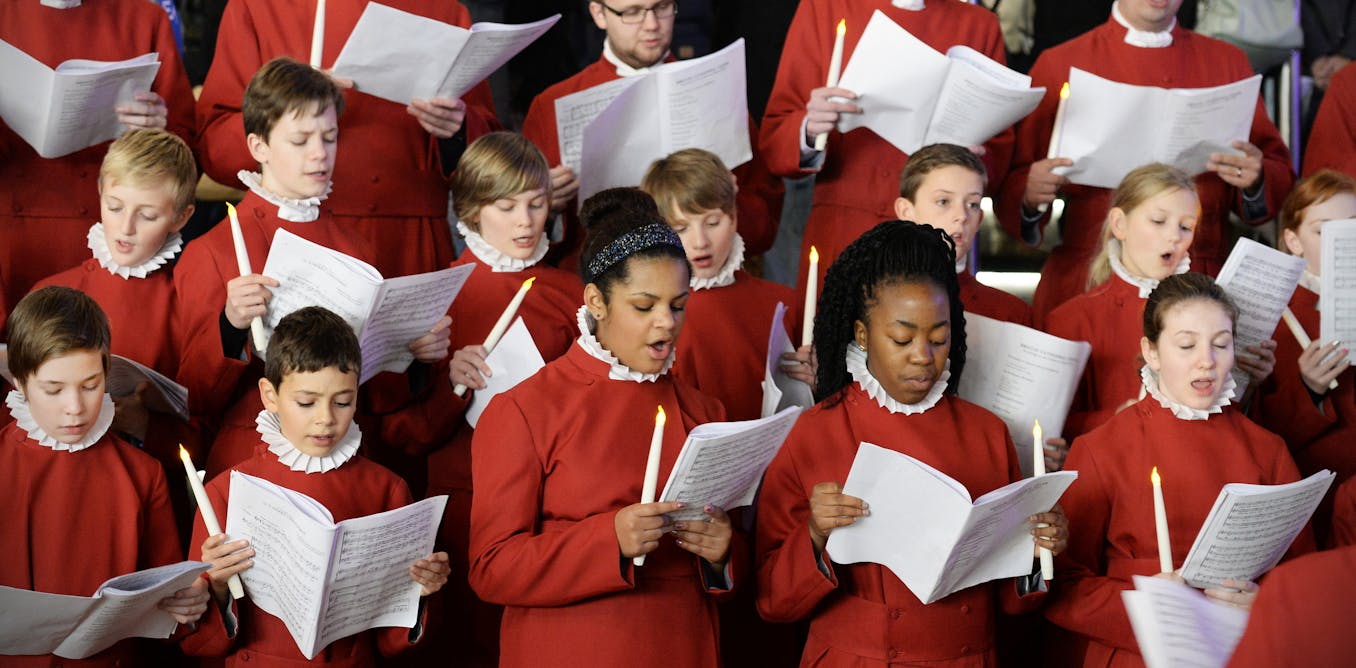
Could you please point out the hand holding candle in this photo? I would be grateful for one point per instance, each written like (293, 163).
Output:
(318, 34)
(648, 488)
(807, 329)
(835, 70)
(1161, 524)
(242, 260)
(1053, 151)
(1302, 338)
(501, 326)
(1038, 469)
(209, 515)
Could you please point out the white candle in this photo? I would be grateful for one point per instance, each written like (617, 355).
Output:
(318, 34)
(1161, 524)
(647, 489)
(835, 70)
(807, 328)
(1053, 151)
(242, 260)
(502, 325)
(1297, 331)
(1038, 469)
(209, 515)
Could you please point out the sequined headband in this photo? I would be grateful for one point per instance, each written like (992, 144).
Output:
(630, 243)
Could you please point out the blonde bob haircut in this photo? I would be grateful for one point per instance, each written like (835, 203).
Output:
(496, 166)
(690, 181)
(150, 158)
(1139, 186)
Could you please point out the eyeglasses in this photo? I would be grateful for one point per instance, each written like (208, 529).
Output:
(631, 15)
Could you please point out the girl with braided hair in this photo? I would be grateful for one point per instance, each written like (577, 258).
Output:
(890, 338)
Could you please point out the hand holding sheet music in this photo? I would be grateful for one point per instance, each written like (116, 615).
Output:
(781, 391)
(722, 463)
(1260, 280)
(1176, 625)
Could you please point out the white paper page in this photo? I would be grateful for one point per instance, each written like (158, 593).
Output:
(124, 374)
(1178, 627)
(491, 45)
(23, 98)
(1337, 257)
(896, 78)
(575, 111)
(82, 113)
(722, 463)
(133, 612)
(514, 359)
(781, 391)
(1021, 375)
(704, 104)
(292, 552)
(979, 99)
(33, 622)
(1249, 529)
(1209, 120)
(1260, 280)
(370, 585)
(312, 275)
(622, 140)
(397, 56)
(406, 308)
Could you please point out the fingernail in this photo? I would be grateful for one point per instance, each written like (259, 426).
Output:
(709, 508)
(682, 504)
(866, 506)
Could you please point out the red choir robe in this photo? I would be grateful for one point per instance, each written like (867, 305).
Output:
(1193, 61)
(76, 519)
(389, 183)
(1111, 318)
(862, 614)
(356, 489)
(858, 183)
(723, 348)
(1302, 615)
(759, 201)
(47, 205)
(1111, 521)
(559, 455)
(1332, 142)
(991, 302)
(1344, 515)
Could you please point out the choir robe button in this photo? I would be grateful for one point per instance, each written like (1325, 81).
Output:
(965, 608)
(965, 649)
(84, 174)
(84, 210)
(895, 614)
(893, 653)
(376, 179)
(18, 208)
(371, 208)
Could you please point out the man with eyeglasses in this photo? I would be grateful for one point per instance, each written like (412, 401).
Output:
(639, 33)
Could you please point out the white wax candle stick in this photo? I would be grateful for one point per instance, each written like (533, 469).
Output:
(242, 260)
(1161, 524)
(209, 515)
(807, 328)
(1055, 134)
(501, 325)
(1038, 469)
(1297, 331)
(648, 487)
(318, 34)
(835, 71)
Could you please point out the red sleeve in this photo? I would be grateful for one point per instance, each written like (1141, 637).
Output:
(540, 127)
(1332, 142)
(759, 199)
(1284, 405)
(1031, 142)
(1277, 173)
(171, 83)
(221, 144)
(790, 580)
(1083, 414)
(415, 423)
(211, 637)
(210, 377)
(800, 71)
(158, 534)
(1344, 515)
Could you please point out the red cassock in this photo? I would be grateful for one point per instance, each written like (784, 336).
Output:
(1302, 615)
(1111, 318)
(723, 348)
(1111, 513)
(759, 201)
(1344, 515)
(388, 181)
(555, 458)
(862, 614)
(1332, 142)
(357, 488)
(857, 186)
(991, 302)
(1193, 61)
(76, 519)
(46, 206)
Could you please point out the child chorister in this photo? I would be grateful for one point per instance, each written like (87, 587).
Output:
(559, 462)
(890, 337)
(1186, 428)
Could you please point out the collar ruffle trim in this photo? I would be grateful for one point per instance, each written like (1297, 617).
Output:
(616, 370)
(290, 210)
(498, 260)
(624, 70)
(733, 262)
(856, 365)
(1183, 411)
(18, 407)
(911, 5)
(98, 245)
(61, 4)
(1145, 285)
(1311, 282)
(1142, 38)
(270, 430)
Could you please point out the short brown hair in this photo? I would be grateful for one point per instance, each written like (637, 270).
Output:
(308, 340)
(1316, 188)
(1179, 289)
(149, 158)
(284, 86)
(497, 166)
(690, 181)
(1142, 184)
(932, 157)
(52, 322)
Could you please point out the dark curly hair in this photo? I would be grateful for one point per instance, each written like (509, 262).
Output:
(891, 253)
(608, 215)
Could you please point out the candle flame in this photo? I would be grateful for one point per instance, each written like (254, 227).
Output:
(1036, 432)
(1064, 91)
(814, 254)
(842, 27)
(528, 283)
(230, 210)
(1153, 477)
(660, 418)
(183, 454)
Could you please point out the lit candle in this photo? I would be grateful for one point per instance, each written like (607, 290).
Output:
(318, 34)
(1161, 524)
(209, 515)
(501, 325)
(242, 260)
(835, 70)
(647, 489)
(1297, 330)
(1053, 151)
(1038, 469)
(807, 328)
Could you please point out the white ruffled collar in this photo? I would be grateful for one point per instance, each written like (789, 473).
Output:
(61, 4)
(856, 365)
(1142, 38)
(726, 275)
(616, 370)
(1311, 282)
(1145, 285)
(98, 245)
(18, 407)
(497, 259)
(270, 430)
(290, 210)
(624, 70)
(911, 5)
(1182, 411)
